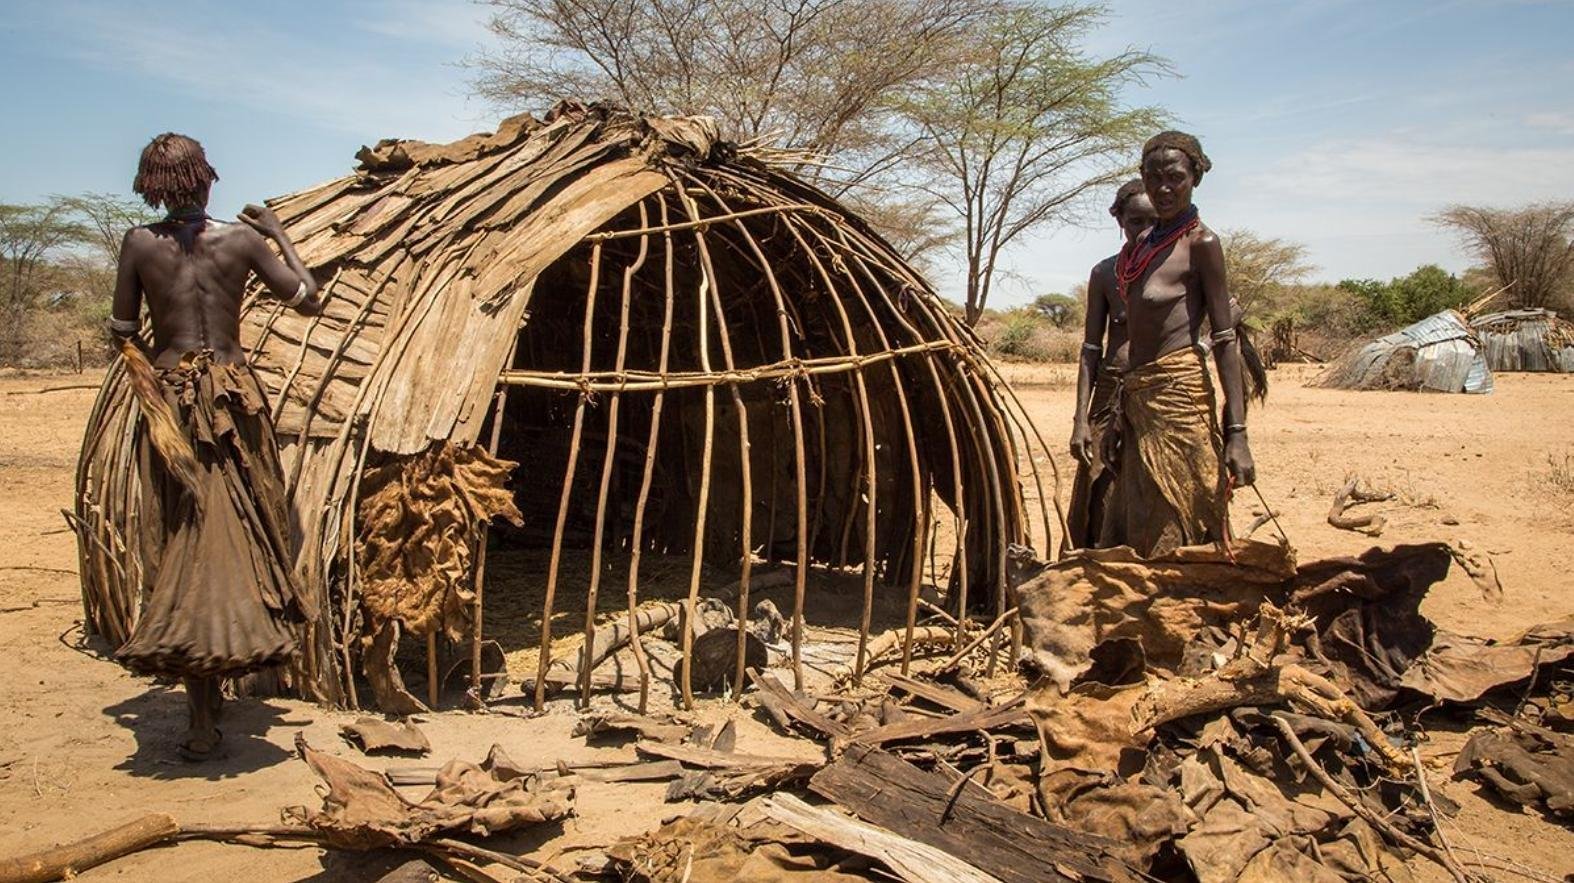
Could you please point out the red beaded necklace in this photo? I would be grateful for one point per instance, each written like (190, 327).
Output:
(1135, 257)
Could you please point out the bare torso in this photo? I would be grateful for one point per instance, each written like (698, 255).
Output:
(194, 293)
(193, 298)
(1104, 287)
(1167, 303)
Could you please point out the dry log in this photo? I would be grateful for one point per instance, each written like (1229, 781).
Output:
(714, 656)
(1371, 525)
(725, 774)
(607, 642)
(967, 822)
(883, 644)
(908, 859)
(69, 859)
(940, 695)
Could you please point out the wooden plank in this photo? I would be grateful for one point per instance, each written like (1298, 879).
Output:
(908, 859)
(938, 694)
(711, 759)
(983, 718)
(793, 707)
(967, 823)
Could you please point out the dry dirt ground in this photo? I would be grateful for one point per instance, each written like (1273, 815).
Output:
(84, 745)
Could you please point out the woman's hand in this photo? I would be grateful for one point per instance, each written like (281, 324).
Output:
(1238, 459)
(263, 220)
(1082, 442)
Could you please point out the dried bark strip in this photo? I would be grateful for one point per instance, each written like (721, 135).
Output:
(967, 823)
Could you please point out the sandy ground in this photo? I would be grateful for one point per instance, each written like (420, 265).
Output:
(85, 745)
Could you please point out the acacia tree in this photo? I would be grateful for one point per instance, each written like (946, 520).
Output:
(1026, 127)
(818, 75)
(107, 217)
(1260, 268)
(29, 236)
(1529, 249)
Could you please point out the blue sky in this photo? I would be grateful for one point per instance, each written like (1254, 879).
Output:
(1340, 124)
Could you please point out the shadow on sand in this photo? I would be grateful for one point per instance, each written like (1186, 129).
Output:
(158, 719)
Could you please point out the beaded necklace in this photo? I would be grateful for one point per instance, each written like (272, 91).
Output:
(1135, 257)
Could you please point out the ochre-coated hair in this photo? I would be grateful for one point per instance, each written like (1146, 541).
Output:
(1124, 194)
(1187, 144)
(173, 171)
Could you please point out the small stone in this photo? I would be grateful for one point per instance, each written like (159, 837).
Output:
(1450, 520)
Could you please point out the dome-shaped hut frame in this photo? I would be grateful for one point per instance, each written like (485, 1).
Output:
(653, 289)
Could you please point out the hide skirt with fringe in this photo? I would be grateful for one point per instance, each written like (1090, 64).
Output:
(220, 597)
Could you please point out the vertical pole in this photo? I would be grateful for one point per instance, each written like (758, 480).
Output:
(545, 657)
(431, 667)
(607, 461)
(746, 528)
(637, 543)
(702, 504)
(478, 615)
(795, 405)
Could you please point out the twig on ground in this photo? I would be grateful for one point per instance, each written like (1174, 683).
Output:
(1344, 796)
(1431, 808)
(958, 656)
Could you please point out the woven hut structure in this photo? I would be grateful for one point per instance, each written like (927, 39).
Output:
(1526, 340)
(1438, 354)
(692, 353)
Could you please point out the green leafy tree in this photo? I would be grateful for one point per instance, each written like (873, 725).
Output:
(1407, 299)
(1030, 124)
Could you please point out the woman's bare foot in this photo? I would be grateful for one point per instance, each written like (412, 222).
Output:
(199, 746)
(203, 700)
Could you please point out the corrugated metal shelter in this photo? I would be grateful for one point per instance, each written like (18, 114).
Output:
(544, 291)
(1439, 353)
(1526, 340)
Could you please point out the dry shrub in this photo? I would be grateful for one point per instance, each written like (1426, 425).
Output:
(1024, 335)
(1559, 474)
(50, 337)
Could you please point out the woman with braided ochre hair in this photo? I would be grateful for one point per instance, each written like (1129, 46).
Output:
(1176, 468)
(1103, 361)
(215, 535)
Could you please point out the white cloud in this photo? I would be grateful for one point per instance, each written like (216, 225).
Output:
(1403, 171)
(456, 24)
(1556, 122)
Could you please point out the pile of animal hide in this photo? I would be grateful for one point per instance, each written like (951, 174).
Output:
(362, 811)
(1225, 711)
(419, 519)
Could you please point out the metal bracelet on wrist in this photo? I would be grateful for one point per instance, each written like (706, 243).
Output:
(1234, 429)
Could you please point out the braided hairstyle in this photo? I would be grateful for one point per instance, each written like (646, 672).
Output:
(1187, 144)
(173, 172)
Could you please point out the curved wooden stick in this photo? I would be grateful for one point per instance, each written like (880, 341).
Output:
(1360, 809)
(801, 570)
(608, 459)
(545, 657)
